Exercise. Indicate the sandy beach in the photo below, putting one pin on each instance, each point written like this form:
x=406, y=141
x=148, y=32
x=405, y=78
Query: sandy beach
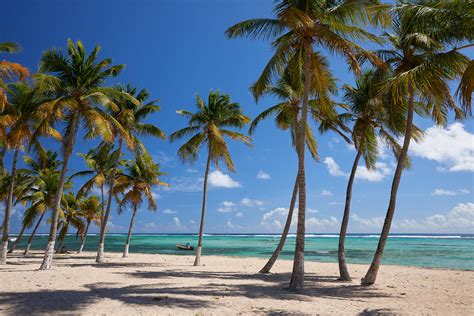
x=170, y=285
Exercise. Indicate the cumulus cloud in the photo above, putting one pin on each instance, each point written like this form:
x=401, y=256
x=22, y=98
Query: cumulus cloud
x=326, y=223
x=450, y=192
x=261, y=175
x=333, y=167
x=250, y=202
x=451, y=147
x=227, y=207
x=169, y=211
x=378, y=174
x=459, y=219
x=221, y=180
x=239, y=214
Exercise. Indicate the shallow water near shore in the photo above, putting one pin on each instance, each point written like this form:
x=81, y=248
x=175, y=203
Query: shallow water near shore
x=454, y=251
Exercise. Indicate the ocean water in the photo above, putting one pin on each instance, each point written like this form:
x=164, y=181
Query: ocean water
x=434, y=251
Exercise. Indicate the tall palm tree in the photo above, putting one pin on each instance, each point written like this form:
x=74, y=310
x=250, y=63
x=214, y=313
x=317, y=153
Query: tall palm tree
x=300, y=25
x=422, y=68
x=23, y=104
x=209, y=125
x=286, y=117
x=373, y=119
x=90, y=209
x=74, y=83
x=41, y=181
x=70, y=215
x=131, y=117
x=136, y=185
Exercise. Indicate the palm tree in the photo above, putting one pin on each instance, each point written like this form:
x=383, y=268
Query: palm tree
x=70, y=215
x=286, y=117
x=74, y=83
x=136, y=184
x=41, y=181
x=23, y=104
x=100, y=162
x=9, y=71
x=209, y=126
x=300, y=25
x=90, y=209
x=422, y=68
x=131, y=117
x=373, y=118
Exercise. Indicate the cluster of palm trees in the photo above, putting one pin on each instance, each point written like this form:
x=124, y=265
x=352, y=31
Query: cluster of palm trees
x=423, y=43
x=69, y=91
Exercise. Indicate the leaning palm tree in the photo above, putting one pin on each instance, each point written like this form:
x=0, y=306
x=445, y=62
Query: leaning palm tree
x=74, y=83
x=300, y=25
x=373, y=119
x=23, y=103
x=90, y=209
x=209, y=126
x=286, y=118
x=41, y=177
x=422, y=68
x=136, y=185
x=131, y=116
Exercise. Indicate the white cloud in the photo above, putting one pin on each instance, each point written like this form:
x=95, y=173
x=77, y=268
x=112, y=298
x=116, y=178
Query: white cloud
x=452, y=147
x=459, y=219
x=335, y=203
x=155, y=195
x=191, y=170
x=326, y=193
x=239, y=214
x=169, y=211
x=229, y=224
x=378, y=174
x=250, y=202
x=221, y=180
x=176, y=222
x=450, y=192
x=277, y=223
x=261, y=175
x=192, y=221
x=309, y=210
x=313, y=222
x=333, y=167
x=226, y=207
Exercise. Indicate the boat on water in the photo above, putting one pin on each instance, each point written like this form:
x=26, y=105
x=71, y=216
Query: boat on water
x=185, y=247
x=12, y=239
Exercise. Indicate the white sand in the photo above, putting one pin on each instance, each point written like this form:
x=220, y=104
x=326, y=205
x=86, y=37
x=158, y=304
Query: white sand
x=167, y=284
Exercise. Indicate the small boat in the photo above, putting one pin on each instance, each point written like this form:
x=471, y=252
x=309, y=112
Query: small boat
x=12, y=239
x=185, y=247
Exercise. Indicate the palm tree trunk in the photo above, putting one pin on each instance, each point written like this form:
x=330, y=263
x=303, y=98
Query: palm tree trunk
x=343, y=272
x=6, y=222
x=197, y=261
x=297, y=276
x=286, y=229
x=85, y=236
x=30, y=240
x=371, y=275
x=61, y=240
x=127, y=243
x=102, y=211
x=103, y=226
x=48, y=255
x=18, y=239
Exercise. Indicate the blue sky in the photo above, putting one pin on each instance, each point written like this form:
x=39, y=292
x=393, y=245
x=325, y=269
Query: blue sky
x=177, y=49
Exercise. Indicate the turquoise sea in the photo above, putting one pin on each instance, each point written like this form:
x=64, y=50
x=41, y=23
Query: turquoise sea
x=452, y=251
